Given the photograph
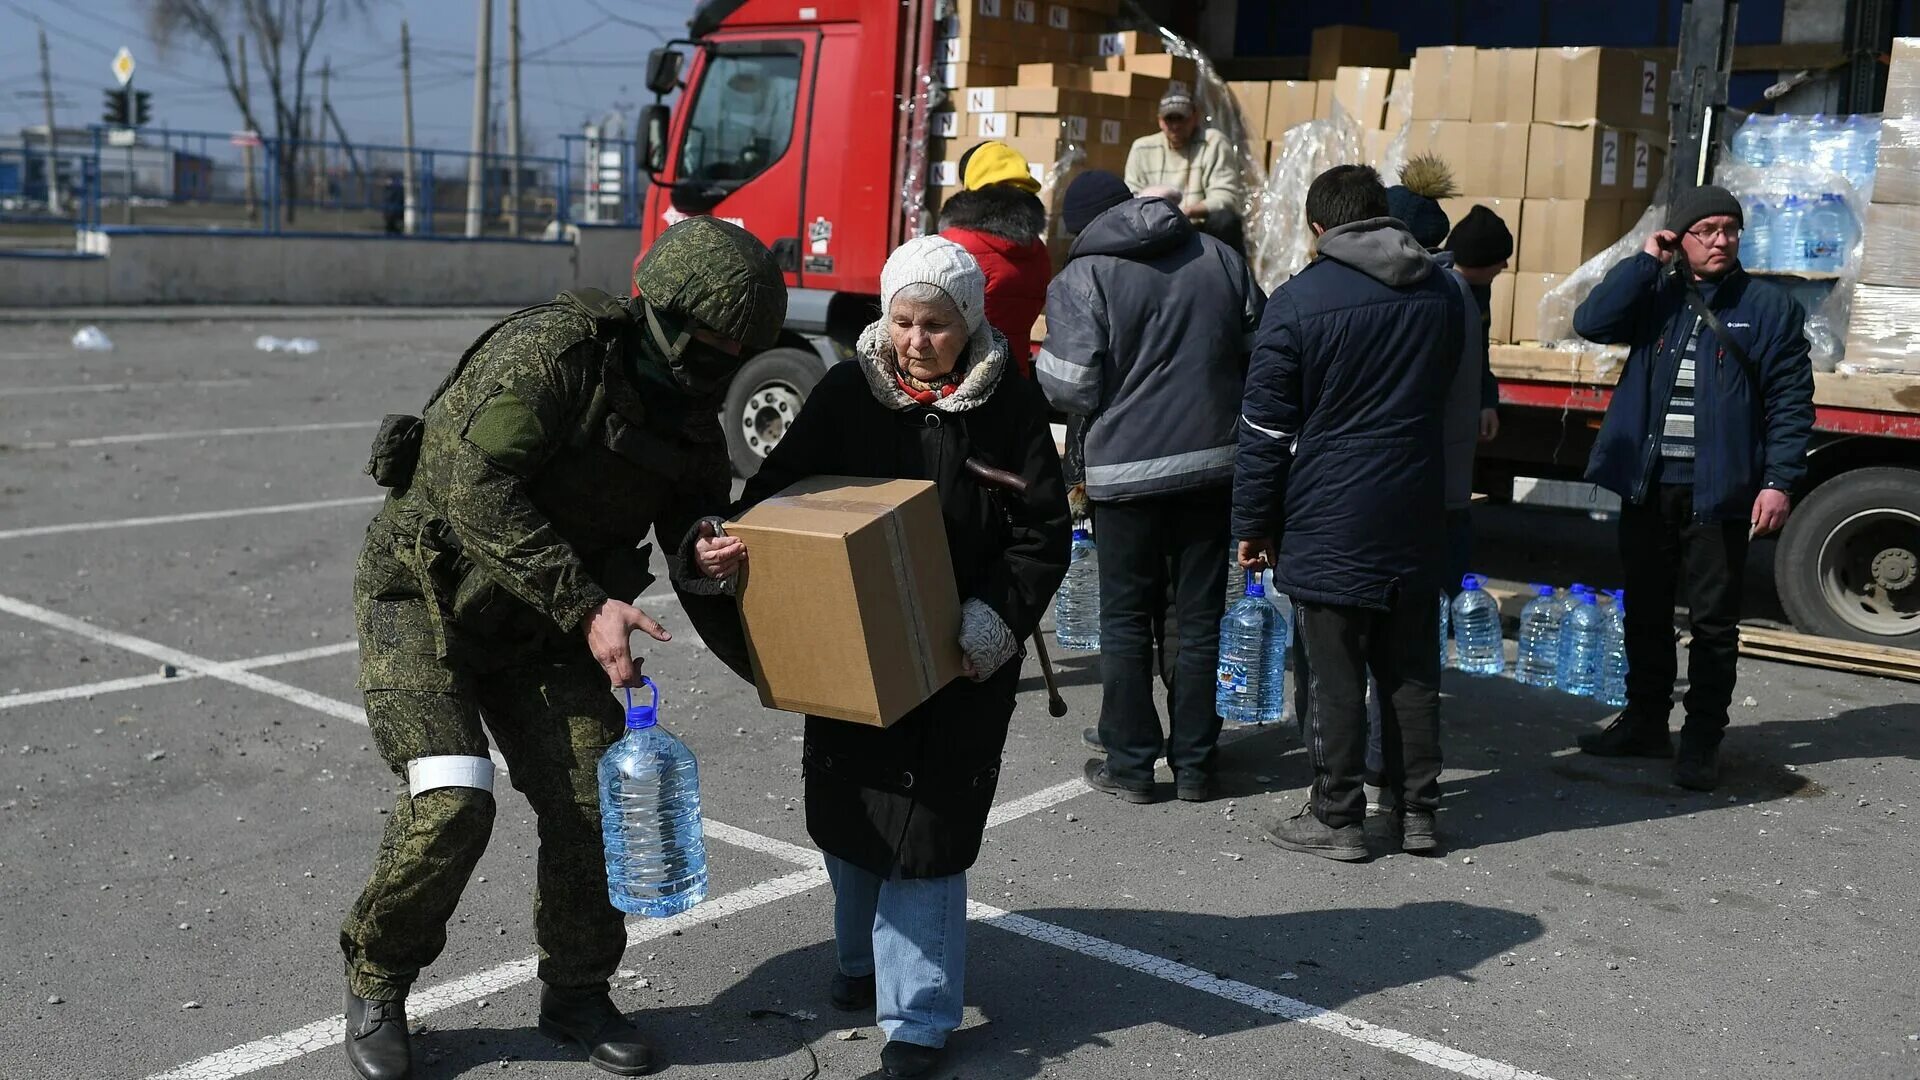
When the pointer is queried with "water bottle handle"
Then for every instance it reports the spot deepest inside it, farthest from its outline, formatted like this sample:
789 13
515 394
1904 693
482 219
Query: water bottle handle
651 685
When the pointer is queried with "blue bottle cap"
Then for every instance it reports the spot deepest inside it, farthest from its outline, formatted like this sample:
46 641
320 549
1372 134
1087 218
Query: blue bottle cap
1472 581
1254 588
1588 599
1577 588
1542 590
643 716
1079 534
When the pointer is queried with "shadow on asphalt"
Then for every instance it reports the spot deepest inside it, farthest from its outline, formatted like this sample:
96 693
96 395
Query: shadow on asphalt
1043 1004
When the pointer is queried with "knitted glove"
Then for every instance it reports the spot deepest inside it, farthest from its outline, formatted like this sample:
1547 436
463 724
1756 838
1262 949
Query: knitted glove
985 639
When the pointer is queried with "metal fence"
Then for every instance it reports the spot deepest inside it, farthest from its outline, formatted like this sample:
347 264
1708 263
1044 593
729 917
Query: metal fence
164 177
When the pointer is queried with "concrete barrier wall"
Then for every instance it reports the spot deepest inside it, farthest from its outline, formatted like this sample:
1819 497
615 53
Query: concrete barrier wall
135 266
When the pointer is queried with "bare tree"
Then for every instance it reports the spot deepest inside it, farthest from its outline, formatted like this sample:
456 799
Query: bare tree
283 34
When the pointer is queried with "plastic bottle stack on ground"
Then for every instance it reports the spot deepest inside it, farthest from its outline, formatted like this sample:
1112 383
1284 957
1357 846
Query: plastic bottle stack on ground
1476 629
1535 662
1076 607
1613 662
650 817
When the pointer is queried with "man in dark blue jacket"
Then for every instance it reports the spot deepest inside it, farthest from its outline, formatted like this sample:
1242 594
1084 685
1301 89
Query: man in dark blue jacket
1703 442
1339 469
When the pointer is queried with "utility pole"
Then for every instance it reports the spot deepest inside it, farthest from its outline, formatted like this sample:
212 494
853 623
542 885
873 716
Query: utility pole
513 114
320 129
53 157
477 161
406 126
246 103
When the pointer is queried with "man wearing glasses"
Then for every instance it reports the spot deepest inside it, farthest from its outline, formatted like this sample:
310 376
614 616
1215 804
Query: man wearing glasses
1703 442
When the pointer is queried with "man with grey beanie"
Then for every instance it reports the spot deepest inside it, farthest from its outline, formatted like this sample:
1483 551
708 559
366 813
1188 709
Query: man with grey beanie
1704 442
1199 162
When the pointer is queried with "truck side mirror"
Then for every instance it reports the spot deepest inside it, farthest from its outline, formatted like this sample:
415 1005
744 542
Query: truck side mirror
653 139
663 70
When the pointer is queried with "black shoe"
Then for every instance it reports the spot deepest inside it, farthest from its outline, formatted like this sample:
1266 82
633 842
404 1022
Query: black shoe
1189 788
1417 832
903 1059
589 1017
1628 736
1096 776
377 1046
1304 832
1697 766
851 993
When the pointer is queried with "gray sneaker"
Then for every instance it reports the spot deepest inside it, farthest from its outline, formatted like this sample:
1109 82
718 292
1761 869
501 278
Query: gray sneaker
1306 833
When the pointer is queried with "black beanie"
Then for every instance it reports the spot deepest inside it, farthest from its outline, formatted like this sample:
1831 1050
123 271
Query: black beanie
1090 195
1481 239
1694 205
1422 216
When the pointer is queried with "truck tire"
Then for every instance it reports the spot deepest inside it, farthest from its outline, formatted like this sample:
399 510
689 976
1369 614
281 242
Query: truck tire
762 400
1848 565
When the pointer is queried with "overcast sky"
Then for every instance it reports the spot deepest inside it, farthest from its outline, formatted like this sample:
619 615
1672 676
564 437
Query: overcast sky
580 58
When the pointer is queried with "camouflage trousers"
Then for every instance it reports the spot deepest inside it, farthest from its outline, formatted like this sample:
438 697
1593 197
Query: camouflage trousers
551 721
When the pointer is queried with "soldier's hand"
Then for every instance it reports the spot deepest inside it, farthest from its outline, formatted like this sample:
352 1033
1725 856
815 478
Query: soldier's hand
718 556
1257 554
608 631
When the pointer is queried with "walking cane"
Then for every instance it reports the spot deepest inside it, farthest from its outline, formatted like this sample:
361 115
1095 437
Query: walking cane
1001 478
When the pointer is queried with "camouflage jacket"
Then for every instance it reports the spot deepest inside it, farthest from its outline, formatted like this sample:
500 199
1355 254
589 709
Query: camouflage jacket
544 461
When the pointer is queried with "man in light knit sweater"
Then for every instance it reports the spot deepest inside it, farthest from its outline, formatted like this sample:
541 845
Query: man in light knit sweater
1197 162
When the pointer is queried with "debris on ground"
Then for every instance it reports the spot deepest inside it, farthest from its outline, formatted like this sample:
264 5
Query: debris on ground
92 339
849 1035
301 345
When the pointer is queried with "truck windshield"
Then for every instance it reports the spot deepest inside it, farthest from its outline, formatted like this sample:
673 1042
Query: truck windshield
743 114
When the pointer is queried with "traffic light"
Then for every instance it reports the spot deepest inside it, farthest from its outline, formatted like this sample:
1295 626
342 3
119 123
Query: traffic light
142 113
117 108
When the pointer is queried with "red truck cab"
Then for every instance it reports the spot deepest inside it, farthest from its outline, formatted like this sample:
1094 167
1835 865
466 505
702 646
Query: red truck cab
803 122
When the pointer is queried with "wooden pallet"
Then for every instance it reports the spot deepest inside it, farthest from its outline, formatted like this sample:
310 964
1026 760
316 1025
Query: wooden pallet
1529 363
1767 643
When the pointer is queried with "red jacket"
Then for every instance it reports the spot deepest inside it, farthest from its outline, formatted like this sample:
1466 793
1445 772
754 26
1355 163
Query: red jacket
1017 276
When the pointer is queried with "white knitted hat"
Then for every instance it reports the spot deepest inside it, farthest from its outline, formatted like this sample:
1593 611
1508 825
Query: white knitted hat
937 261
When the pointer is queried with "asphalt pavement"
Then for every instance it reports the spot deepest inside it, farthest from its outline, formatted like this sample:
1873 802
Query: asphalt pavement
189 800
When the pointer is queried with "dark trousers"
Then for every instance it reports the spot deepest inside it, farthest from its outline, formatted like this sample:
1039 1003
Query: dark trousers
1669 557
1335 649
1142 543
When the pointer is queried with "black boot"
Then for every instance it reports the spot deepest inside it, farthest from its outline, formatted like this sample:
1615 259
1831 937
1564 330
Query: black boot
905 1059
1304 832
1096 775
377 1046
1697 766
1417 832
1629 736
851 993
588 1016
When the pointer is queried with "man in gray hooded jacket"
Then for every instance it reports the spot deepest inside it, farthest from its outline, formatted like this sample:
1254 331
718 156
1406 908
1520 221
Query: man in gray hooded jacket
1148 327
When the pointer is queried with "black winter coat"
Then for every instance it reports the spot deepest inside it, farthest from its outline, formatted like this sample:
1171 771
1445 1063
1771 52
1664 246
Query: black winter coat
913 798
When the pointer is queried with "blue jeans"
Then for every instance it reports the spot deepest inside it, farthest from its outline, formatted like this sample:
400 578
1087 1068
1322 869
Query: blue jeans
911 935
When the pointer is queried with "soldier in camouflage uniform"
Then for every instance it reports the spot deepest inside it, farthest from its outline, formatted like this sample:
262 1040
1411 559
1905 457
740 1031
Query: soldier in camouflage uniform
491 591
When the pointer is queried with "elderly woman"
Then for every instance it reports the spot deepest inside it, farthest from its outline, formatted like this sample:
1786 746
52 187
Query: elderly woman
899 811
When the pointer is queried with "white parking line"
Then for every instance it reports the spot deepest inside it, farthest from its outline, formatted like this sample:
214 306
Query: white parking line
175 519
206 433
255 663
120 387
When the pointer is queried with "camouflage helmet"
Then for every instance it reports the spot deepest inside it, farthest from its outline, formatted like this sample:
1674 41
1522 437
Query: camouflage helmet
719 275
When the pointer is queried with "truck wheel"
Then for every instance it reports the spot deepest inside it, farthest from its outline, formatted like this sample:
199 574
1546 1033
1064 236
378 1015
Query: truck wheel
762 400
1849 560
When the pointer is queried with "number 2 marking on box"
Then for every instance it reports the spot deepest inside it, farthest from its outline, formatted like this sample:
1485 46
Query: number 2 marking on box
1059 17
990 8
1649 87
1110 132
993 125
1641 159
1609 158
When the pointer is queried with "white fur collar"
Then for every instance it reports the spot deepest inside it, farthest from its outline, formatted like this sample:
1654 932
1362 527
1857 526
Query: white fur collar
986 362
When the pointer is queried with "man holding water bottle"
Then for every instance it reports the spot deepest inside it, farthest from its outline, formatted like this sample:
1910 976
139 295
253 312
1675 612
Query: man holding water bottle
1704 441
492 589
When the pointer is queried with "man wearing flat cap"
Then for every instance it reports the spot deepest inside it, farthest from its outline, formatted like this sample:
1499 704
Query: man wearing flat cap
1196 161
1704 442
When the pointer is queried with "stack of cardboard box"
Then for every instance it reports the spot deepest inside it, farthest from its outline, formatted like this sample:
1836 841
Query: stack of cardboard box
1354 66
1564 144
1886 302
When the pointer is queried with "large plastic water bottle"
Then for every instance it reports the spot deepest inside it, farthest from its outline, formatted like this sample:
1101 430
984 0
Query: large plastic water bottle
1824 230
1476 629
1786 256
1446 621
650 817
1753 144
1582 643
1535 662
1613 661
1758 211
1239 693
1273 677
1863 155
1076 607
